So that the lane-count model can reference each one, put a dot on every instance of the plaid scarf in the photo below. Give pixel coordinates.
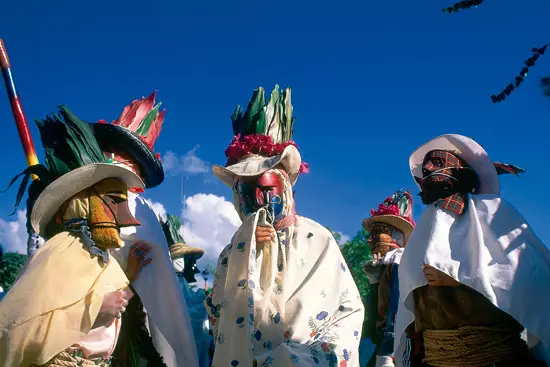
(447, 180)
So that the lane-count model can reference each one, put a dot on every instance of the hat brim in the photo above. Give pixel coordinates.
(256, 165)
(465, 148)
(70, 184)
(393, 220)
(118, 139)
(184, 250)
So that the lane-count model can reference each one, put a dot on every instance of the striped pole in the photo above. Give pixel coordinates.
(17, 108)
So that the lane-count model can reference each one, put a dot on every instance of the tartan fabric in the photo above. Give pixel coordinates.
(438, 165)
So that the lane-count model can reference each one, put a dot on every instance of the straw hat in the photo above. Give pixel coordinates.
(70, 184)
(395, 211)
(180, 249)
(255, 165)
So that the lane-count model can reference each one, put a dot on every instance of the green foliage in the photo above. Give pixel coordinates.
(357, 252)
(10, 266)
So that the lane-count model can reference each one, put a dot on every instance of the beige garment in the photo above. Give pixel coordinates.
(100, 342)
(55, 301)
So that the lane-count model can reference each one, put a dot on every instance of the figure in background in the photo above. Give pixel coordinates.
(185, 259)
(66, 306)
(474, 277)
(287, 298)
(389, 228)
(150, 330)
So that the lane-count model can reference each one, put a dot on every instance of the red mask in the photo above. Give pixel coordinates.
(265, 191)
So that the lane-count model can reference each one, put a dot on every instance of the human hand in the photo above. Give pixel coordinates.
(137, 260)
(264, 234)
(438, 278)
(114, 304)
(373, 269)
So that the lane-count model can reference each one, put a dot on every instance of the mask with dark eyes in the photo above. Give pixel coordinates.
(265, 191)
(109, 212)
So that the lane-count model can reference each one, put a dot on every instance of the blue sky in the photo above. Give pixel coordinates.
(371, 82)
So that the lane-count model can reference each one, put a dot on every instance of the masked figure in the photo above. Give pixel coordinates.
(185, 259)
(288, 298)
(389, 229)
(66, 306)
(150, 335)
(473, 276)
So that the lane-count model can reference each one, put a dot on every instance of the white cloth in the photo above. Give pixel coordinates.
(393, 257)
(489, 248)
(158, 287)
(287, 303)
(384, 361)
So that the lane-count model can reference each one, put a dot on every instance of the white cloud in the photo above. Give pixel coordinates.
(189, 163)
(209, 222)
(13, 234)
(158, 208)
(343, 238)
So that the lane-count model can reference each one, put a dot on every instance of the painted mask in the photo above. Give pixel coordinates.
(383, 238)
(265, 191)
(109, 211)
(190, 269)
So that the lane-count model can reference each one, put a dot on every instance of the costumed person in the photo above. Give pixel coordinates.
(66, 306)
(389, 228)
(150, 332)
(473, 275)
(185, 259)
(289, 298)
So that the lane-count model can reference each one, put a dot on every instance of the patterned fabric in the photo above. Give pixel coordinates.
(447, 179)
(289, 302)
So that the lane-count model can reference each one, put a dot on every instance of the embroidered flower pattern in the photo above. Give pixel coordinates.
(241, 246)
(221, 338)
(278, 289)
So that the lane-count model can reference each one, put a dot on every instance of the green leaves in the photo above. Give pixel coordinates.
(273, 118)
(10, 266)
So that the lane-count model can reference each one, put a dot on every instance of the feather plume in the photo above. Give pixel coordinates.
(505, 168)
(142, 116)
(69, 143)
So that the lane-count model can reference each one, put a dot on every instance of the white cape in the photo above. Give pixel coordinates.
(159, 289)
(489, 248)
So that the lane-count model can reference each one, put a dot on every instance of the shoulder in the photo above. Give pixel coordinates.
(311, 228)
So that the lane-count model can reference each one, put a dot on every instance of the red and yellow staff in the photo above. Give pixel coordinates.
(17, 108)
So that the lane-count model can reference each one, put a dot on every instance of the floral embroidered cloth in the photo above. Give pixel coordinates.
(289, 302)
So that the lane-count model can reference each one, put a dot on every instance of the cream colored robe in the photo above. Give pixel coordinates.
(292, 302)
(55, 302)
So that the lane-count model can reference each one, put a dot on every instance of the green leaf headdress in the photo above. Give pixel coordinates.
(262, 139)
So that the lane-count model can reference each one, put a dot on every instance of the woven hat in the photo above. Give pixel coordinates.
(133, 135)
(262, 139)
(396, 211)
(74, 162)
(177, 246)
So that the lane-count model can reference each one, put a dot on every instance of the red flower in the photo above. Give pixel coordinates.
(312, 334)
(343, 363)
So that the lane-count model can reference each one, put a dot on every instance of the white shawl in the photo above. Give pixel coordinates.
(159, 290)
(293, 304)
(489, 248)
